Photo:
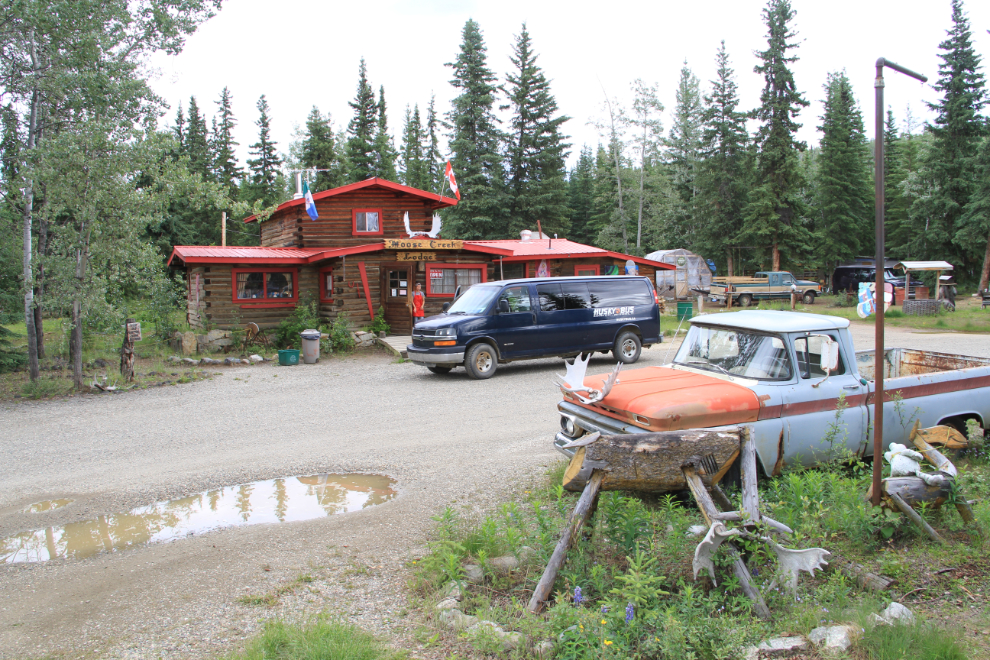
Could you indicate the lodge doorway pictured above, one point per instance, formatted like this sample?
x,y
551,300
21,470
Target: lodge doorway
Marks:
x,y
396,280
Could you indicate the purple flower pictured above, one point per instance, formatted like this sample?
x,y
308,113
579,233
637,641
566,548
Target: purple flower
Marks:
x,y
630,612
604,609
577,595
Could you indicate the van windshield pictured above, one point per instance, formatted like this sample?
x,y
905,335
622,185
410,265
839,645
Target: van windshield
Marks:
x,y
475,300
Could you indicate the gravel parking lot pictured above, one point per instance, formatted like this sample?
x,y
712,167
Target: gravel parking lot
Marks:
x,y
447,440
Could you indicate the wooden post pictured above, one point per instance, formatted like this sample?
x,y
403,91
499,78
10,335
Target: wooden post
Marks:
x,y
915,518
223,229
701,303
728,296
127,356
750,494
582,512
793,300
710,514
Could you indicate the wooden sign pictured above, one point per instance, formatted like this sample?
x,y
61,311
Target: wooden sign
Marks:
x,y
419,244
134,331
417,256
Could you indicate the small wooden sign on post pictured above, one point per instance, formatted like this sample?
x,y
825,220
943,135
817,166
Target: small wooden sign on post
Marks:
x,y
134,331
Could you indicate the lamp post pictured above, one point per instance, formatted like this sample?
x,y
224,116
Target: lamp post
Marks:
x,y
879,295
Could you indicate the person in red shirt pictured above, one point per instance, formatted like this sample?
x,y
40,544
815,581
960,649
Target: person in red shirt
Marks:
x,y
419,303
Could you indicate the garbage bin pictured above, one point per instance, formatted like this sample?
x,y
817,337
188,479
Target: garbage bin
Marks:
x,y
310,346
288,357
684,310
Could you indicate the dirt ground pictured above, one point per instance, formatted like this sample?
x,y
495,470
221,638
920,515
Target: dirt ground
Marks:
x,y
447,440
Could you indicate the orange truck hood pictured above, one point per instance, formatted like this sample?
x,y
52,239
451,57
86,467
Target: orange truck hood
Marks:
x,y
664,399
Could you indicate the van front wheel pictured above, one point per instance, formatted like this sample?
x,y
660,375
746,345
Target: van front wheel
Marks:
x,y
481,361
627,348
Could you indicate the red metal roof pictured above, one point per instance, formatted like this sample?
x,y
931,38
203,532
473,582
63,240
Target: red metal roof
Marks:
x,y
557,248
205,254
439,202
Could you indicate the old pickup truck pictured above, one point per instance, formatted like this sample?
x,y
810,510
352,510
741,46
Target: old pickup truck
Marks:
x,y
764,369
764,285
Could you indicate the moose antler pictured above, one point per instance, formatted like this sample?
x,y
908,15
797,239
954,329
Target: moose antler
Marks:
x,y
573,380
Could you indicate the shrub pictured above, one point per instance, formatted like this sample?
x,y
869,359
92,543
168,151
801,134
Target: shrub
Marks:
x,y
378,324
305,316
10,358
340,334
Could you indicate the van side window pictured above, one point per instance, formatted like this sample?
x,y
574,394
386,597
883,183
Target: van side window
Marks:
x,y
619,294
809,358
551,297
518,299
575,295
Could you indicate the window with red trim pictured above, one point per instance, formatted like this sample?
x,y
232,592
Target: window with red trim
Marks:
x,y
251,285
366,222
587,270
443,279
326,285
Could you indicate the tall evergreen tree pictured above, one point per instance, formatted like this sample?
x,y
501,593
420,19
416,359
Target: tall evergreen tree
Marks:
x,y
725,172
431,149
179,130
536,149
775,214
474,143
684,154
413,168
975,222
197,142
267,181
581,197
226,168
385,153
843,211
361,129
319,151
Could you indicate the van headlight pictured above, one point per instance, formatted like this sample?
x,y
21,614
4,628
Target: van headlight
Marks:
x,y
570,427
446,332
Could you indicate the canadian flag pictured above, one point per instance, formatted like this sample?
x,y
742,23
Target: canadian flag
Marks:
x,y
449,173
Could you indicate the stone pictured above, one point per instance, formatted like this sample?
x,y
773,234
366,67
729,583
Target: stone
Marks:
x,y
246,362
525,553
231,361
448,604
100,363
512,640
898,614
836,638
452,590
474,574
697,530
174,358
779,647
381,334
457,620
188,343
751,653
256,358
486,626
509,640
190,361
207,360
504,564
877,620
544,649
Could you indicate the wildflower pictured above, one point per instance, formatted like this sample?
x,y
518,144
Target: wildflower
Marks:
x,y
577,595
603,622
604,610
608,643
581,625
630,612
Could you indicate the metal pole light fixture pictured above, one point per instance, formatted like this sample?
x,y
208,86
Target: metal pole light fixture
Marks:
x,y
879,296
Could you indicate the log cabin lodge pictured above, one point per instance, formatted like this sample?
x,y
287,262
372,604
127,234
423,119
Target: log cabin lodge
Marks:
x,y
358,258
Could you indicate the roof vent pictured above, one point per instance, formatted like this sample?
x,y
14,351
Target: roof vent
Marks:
x,y
525,234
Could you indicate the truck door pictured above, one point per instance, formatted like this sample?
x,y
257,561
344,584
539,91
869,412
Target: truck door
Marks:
x,y
773,285
815,430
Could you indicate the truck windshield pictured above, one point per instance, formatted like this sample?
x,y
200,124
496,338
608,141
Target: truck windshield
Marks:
x,y
475,300
735,352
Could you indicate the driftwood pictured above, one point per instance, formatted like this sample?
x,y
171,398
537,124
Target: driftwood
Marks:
x,y
651,462
579,517
739,568
914,490
863,577
906,509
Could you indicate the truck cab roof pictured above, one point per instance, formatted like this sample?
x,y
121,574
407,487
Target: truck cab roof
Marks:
x,y
773,321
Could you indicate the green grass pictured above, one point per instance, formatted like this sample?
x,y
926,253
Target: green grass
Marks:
x,y
968,316
320,640
920,642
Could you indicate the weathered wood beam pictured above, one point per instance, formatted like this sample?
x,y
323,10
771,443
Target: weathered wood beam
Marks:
x,y
863,577
750,494
915,518
579,517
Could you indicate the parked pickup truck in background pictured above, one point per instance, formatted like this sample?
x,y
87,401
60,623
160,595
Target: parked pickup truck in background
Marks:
x,y
765,285
763,369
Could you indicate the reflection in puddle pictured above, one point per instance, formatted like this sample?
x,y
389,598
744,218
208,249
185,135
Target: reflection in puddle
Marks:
x,y
274,500
47,505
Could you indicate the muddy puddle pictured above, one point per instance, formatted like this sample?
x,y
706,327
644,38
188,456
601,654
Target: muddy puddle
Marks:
x,y
47,505
272,501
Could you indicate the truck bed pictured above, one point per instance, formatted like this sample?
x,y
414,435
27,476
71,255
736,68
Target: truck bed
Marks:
x,y
900,362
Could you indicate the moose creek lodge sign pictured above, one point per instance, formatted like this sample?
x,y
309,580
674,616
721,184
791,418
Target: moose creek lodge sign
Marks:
x,y
413,244
416,256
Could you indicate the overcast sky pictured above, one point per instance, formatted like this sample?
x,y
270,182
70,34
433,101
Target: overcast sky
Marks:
x,y
302,54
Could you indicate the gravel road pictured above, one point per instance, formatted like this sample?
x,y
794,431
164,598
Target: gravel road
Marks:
x,y
447,440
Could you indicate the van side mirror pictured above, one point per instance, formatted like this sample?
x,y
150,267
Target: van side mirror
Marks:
x,y
446,306
830,354
457,293
503,306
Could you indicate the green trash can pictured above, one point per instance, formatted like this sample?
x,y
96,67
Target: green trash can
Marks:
x,y
288,357
684,310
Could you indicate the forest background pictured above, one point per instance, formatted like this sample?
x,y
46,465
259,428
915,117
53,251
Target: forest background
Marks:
x,y
99,179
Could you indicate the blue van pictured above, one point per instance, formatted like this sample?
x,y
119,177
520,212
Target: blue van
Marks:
x,y
497,322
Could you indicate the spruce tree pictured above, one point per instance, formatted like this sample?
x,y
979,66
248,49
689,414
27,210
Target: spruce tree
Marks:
x,y
843,204
431,149
683,156
385,153
361,129
895,202
197,142
266,176
226,168
725,172
775,213
975,222
474,144
581,197
536,149
949,167
413,167
319,151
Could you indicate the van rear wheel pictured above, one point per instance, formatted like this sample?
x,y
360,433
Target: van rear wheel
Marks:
x,y
627,348
481,361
